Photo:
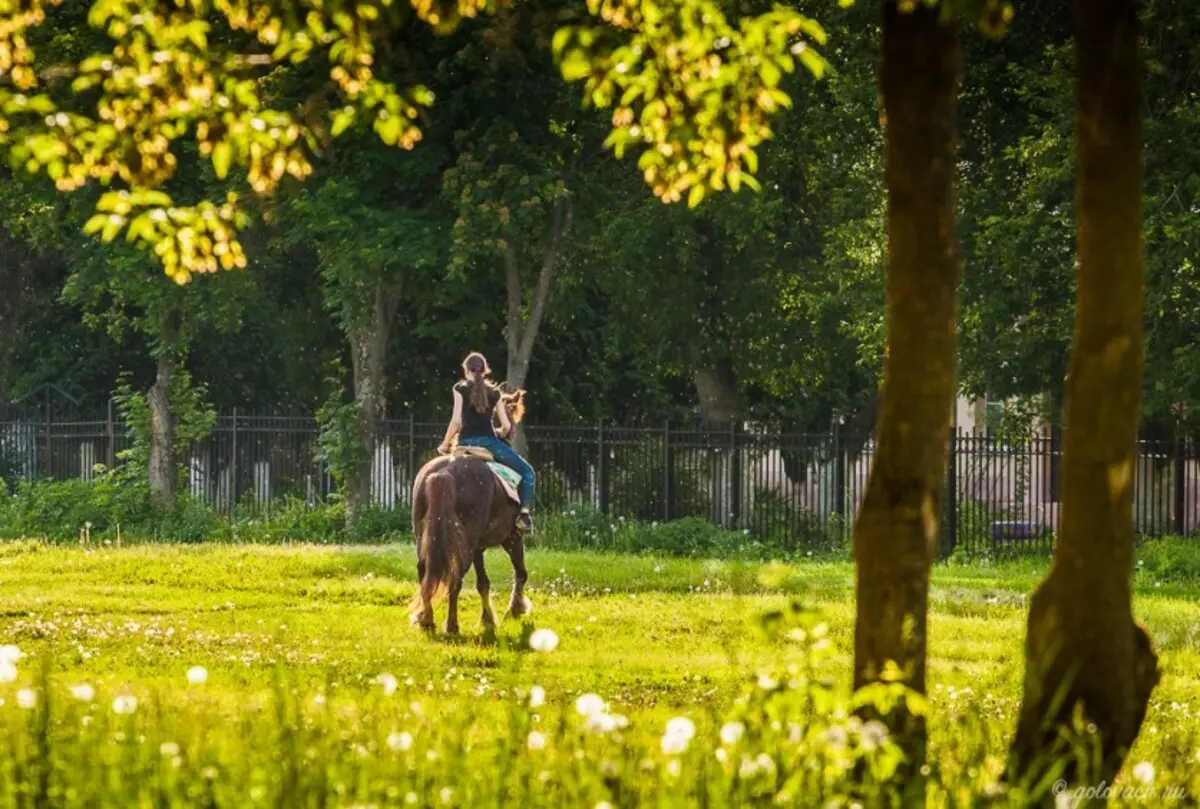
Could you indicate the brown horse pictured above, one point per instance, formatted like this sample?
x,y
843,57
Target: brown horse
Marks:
x,y
459,511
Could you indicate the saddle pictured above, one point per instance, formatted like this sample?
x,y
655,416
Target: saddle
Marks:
x,y
506,476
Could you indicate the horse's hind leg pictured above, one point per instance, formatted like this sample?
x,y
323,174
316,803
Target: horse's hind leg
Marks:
x,y
519,605
424,616
452,615
484,586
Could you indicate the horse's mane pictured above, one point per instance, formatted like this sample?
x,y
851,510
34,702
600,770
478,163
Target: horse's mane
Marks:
x,y
514,402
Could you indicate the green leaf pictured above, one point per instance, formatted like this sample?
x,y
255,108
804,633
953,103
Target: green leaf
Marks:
x,y
815,63
94,224
575,65
222,155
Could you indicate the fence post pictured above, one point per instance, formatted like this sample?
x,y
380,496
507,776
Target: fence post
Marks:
x,y
234,495
667,471
49,441
1180,487
111,456
951,540
602,467
412,454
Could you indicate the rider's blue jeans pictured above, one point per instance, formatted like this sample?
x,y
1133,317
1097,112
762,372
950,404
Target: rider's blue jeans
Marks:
x,y
509,457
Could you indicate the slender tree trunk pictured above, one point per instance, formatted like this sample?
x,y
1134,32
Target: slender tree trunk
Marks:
x,y
897,530
523,329
163,471
369,350
1084,651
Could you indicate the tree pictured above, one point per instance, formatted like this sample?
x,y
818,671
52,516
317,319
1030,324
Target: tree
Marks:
x,y
1084,651
895,535
373,224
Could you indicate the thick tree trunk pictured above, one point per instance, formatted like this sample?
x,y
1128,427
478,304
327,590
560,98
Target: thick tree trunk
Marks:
x,y
369,350
163,471
1083,648
523,329
897,530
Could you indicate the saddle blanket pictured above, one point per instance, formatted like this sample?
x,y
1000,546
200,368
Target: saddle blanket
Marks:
x,y
508,477
509,480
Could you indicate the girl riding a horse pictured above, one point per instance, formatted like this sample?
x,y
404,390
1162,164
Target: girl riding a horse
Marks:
x,y
472,424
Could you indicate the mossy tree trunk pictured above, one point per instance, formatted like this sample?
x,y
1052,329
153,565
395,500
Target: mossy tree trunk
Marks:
x,y
1087,660
896,534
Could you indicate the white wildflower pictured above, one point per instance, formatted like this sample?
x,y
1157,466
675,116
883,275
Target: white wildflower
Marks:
x,y
8,672
447,794
197,675
535,741
543,640
388,683
605,722
537,697
125,705
400,741
27,699
83,692
10,653
836,737
678,735
1144,773
590,704
874,734
731,732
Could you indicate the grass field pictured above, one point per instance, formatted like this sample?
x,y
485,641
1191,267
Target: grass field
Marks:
x,y
316,690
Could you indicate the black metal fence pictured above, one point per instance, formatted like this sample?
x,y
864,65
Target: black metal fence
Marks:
x,y
792,490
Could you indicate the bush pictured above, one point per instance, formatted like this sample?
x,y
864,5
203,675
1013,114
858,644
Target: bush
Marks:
x,y
61,509
1169,560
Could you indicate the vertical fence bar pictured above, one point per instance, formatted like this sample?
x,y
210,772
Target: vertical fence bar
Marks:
x,y
1180,472
951,540
602,468
666,472
110,458
233,465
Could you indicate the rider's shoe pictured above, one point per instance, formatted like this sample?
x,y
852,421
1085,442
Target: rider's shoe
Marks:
x,y
525,522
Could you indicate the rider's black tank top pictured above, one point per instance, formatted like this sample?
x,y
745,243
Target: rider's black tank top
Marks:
x,y
475,424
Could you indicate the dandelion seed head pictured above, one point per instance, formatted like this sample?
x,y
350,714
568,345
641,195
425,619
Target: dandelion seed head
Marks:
x,y
125,704
83,692
731,732
535,741
197,675
543,640
537,697
590,704
388,683
27,699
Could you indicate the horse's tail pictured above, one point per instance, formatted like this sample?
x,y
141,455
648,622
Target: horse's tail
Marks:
x,y
441,545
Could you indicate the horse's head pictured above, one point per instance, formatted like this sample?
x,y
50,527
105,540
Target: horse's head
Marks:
x,y
514,403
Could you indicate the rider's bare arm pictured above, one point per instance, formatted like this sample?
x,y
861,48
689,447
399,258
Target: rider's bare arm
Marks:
x,y
455,424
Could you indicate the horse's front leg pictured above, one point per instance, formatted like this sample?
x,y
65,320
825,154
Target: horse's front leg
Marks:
x,y
484,586
519,605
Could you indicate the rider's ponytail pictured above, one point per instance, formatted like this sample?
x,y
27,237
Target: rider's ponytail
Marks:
x,y
475,368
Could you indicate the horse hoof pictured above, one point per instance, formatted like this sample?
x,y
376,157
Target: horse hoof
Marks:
x,y
518,609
